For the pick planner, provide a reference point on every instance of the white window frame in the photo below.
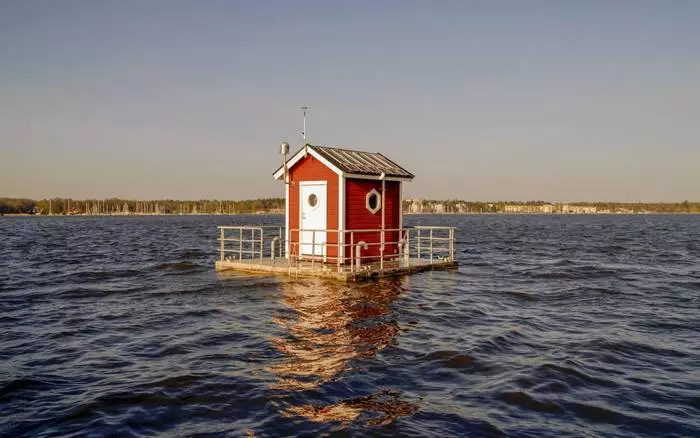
(379, 201)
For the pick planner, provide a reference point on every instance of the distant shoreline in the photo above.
(405, 214)
(604, 213)
(139, 215)
(126, 207)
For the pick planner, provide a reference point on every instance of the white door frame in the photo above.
(301, 206)
(341, 219)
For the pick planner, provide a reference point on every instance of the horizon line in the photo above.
(422, 199)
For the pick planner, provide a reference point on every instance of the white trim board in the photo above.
(341, 218)
(287, 236)
(401, 206)
(376, 177)
(301, 154)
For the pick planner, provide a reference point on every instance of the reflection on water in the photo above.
(384, 403)
(328, 325)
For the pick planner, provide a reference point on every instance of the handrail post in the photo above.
(431, 245)
(452, 244)
(240, 244)
(280, 236)
(418, 248)
(222, 243)
(262, 243)
(337, 251)
(352, 254)
(313, 248)
(381, 250)
(407, 251)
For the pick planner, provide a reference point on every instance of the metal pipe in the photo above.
(403, 249)
(358, 253)
(313, 249)
(284, 149)
(272, 247)
(262, 244)
(383, 239)
(408, 247)
(418, 247)
(352, 245)
(222, 244)
(431, 245)
(280, 236)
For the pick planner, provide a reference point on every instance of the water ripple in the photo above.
(552, 326)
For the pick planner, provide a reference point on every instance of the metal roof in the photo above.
(360, 162)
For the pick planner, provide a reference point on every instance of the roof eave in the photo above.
(291, 162)
(374, 176)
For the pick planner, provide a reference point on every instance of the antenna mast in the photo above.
(303, 133)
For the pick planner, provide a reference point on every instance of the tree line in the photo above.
(69, 206)
(461, 206)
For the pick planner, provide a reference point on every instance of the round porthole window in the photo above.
(312, 200)
(374, 201)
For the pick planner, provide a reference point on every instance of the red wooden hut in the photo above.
(339, 198)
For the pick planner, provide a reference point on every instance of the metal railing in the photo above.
(250, 242)
(347, 250)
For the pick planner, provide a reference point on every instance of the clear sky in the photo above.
(517, 100)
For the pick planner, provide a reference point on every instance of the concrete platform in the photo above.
(331, 271)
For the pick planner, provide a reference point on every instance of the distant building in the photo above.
(416, 206)
(512, 208)
(528, 208)
(439, 208)
(578, 209)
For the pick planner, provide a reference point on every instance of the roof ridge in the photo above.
(342, 149)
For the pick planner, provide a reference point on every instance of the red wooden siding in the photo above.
(357, 217)
(310, 169)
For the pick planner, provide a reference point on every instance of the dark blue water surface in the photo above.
(551, 326)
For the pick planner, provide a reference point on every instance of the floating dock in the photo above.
(264, 250)
(306, 270)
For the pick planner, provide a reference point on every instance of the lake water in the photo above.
(551, 326)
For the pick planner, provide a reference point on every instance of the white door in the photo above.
(313, 208)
